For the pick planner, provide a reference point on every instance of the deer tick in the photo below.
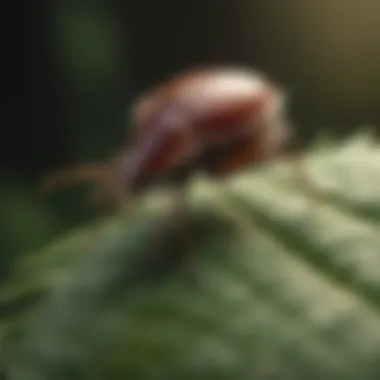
(218, 120)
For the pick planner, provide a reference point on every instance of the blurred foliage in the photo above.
(287, 285)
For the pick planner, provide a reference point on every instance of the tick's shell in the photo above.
(219, 119)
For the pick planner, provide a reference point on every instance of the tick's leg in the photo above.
(107, 193)
(80, 174)
(107, 196)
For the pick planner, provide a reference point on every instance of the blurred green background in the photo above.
(74, 66)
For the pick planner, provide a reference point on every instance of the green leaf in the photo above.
(287, 286)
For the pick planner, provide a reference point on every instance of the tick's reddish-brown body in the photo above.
(219, 120)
